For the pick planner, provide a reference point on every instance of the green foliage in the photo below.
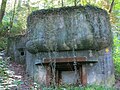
(3, 43)
(72, 87)
(17, 82)
(3, 69)
(116, 55)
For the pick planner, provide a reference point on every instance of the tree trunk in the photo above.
(110, 10)
(62, 3)
(19, 4)
(2, 11)
(28, 5)
(12, 18)
(75, 2)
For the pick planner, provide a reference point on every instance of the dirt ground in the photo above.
(23, 80)
(17, 79)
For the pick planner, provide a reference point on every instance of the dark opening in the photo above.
(22, 53)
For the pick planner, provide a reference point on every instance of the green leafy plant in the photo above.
(116, 55)
(72, 87)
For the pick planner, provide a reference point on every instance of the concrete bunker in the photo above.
(16, 48)
(70, 42)
(70, 45)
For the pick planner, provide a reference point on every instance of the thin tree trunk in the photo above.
(12, 18)
(111, 6)
(28, 6)
(2, 11)
(62, 3)
(75, 2)
(19, 3)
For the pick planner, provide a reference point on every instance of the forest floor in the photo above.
(17, 78)
(14, 77)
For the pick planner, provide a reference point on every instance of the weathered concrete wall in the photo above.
(16, 48)
(98, 73)
(103, 71)
(67, 28)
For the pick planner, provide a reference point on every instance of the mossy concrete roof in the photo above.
(63, 10)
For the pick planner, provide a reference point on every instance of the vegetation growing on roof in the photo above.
(63, 10)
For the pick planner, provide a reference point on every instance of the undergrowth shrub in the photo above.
(116, 55)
